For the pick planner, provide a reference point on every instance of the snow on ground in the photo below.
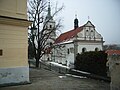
(60, 65)
(80, 71)
(62, 76)
(75, 76)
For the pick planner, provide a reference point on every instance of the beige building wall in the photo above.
(14, 8)
(115, 78)
(13, 43)
(114, 69)
(14, 66)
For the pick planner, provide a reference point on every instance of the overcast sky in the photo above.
(104, 14)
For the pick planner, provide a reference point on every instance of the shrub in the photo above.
(93, 62)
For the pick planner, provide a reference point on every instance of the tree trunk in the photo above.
(37, 62)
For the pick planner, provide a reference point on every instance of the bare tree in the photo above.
(38, 35)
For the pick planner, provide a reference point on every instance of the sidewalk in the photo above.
(42, 79)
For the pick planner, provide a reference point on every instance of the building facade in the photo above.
(50, 28)
(80, 39)
(14, 66)
(114, 68)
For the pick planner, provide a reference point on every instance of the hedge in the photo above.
(92, 62)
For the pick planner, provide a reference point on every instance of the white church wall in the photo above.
(59, 54)
(98, 36)
(64, 53)
(70, 55)
(89, 46)
(87, 38)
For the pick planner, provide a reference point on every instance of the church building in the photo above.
(80, 39)
(50, 28)
(69, 44)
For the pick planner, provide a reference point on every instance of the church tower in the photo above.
(76, 22)
(50, 26)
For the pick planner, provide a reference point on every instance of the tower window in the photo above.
(50, 26)
(50, 43)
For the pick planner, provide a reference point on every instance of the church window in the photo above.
(96, 49)
(83, 50)
(92, 34)
(68, 51)
(87, 33)
(72, 50)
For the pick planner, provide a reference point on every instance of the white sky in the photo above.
(104, 14)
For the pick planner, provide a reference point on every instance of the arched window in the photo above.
(96, 49)
(83, 50)
(50, 26)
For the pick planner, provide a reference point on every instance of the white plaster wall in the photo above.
(70, 56)
(65, 58)
(89, 35)
(14, 75)
(89, 46)
(59, 54)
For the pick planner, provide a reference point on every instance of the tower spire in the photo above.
(75, 15)
(49, 9)
(88, 18)
(75, 22)
(49, 17)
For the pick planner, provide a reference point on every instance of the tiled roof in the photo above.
(68, 35)
(113, 52)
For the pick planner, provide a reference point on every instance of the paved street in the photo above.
(42, 79)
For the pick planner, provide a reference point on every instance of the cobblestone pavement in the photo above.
(42, 79)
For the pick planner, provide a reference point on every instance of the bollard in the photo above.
(50, 66)
(59, 70)
(66, 70)
(29, 63)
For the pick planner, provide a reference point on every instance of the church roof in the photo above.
(72, 33)
(68, 35)
(113, 52)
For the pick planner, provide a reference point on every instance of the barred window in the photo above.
(68, 51)
(1, 52)
(72, 50)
